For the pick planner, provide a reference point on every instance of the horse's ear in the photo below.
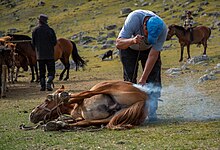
(62, 87)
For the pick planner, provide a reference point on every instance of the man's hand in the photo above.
(137, 39)
(142, 82)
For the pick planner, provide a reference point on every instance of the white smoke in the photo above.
(186, 102)
(148, 88)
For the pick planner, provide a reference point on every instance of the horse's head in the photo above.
(21, 61)
(171, 31)
(51, 108)
(7, 55)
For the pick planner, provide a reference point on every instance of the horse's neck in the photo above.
(66, 109)
(179, 33)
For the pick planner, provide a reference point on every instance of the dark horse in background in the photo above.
(200, 36)
(62, 50)
(5, 60)
(24, 47)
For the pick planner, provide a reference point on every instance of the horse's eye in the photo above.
(50, 97)
(47, 100)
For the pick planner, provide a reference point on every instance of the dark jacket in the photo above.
(44, 39)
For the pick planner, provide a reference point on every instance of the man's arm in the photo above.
(152, 58)
(122, 43)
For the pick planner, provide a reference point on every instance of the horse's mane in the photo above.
(19, 37)
(180, 28)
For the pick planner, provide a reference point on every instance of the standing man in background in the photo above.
(44, 39)
(141, 39)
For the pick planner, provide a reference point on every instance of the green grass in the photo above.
(91, 17)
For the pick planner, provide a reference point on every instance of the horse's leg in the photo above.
(32, 73)
(16, 74)
(62, 73)
(67, 72)
(126, 118)
(66, 67)
(86, 123)
(205, 47)
(9, 75)
(37, 75)
(181, 53)
(188, 51)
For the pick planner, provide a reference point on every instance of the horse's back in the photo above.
(62, 48)
(123, 92)
(19, 37)
(64, 42)
(205, 31)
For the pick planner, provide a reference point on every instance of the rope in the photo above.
(19, 41)
(136, 64)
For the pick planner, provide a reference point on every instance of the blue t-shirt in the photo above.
(134, 25)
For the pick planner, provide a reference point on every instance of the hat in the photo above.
(43, 18)
(154, 27)
(189, 12)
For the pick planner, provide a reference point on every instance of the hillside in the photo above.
(70, 17)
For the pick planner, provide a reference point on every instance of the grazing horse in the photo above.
(200, 35)
(25, 48)
(117, 104)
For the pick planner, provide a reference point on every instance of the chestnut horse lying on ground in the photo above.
(117, 104)
(200, 36)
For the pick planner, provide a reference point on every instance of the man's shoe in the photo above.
(49, 87)
(152, 118)
(42, 89)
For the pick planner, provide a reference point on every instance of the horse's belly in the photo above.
(96, 107)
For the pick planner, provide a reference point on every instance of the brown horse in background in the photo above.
(24, 47)
(63, 49)
(200, 35)
(117, 104)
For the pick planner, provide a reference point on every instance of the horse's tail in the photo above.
(210, 31)
(76, 58)
(127, 118)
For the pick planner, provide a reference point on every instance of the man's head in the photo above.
(43, 18)
(153, 28)
(188, 13)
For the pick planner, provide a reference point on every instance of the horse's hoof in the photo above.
(37, 81)
(65, 79)
(54, 126)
